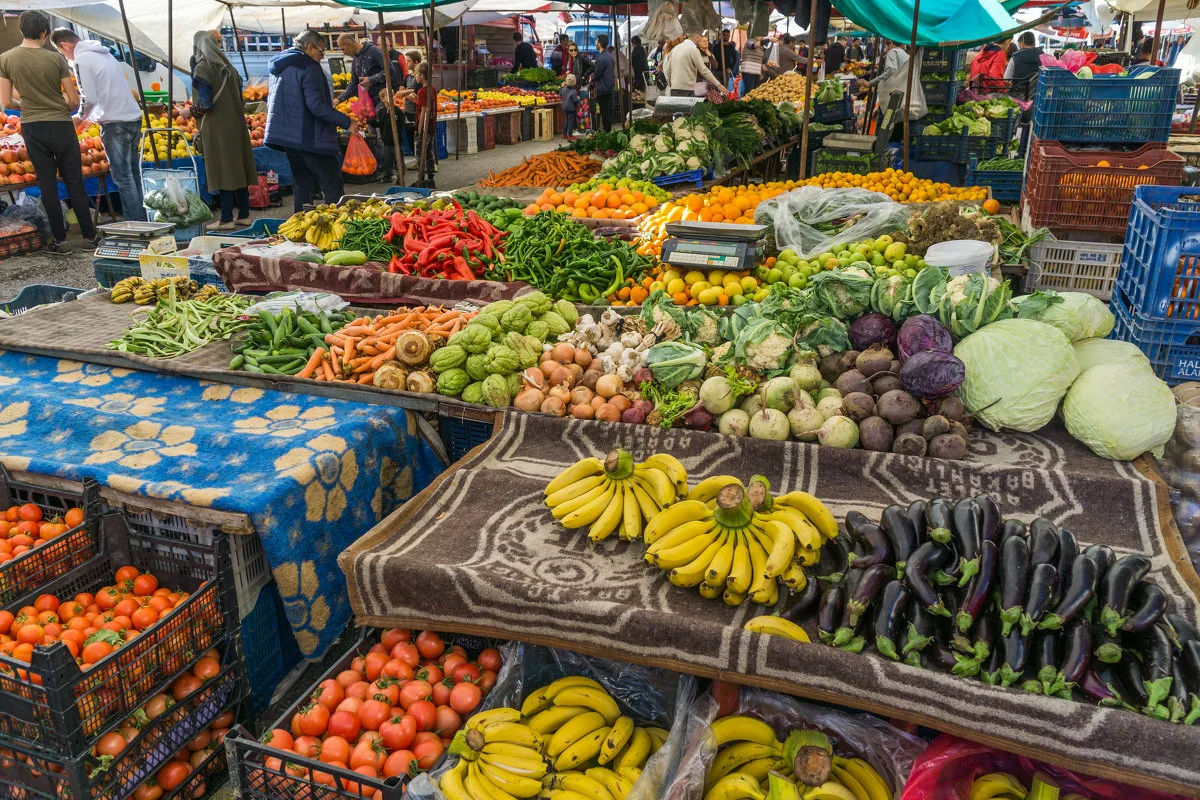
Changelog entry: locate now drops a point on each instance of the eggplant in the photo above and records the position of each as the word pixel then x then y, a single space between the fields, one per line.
pixel 980 588
pixel 1102 554
pixel 967 537
pixel 927 558
pixel 1157 655
pixel 1040 595
pixel 1117 587
pixel 853 577
pixel 990 673
pixel 854 521
pixel 1046 659
pixel 829 613
pixel 1189 661
pixel 879 549
pixel 1182 630
pixel 1011 528
pixel 889 618
pixel 940 520
pixel 901 534
pixel 1149 603
pixel 1016 651
pixel 1106 647
pixel 1129 673
pixel 1068 551
pixel 1043 548
pixel 922 629
pixel 984 636
pixel 1078 651
pixel 991 522
pixel 920 524
pixel 801 604
pixel 1014 579
pixel 1079 591
pixel 1104 692
pixel 834 561
pixel 869 588
pixel 1178 702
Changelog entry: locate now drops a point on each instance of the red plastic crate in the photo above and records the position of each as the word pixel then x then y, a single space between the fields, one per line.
pixel 1073 189
pixel 489 133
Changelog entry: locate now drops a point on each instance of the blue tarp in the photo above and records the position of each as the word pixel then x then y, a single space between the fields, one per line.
pixel 940 20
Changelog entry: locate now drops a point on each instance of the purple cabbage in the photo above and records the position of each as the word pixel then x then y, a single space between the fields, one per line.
pixel 932 374
pixel 921 333
pixel 873 328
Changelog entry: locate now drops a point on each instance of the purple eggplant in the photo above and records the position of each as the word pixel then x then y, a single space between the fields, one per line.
pixel 940 520
pixel 801 604
pixel 1043 542
pixel 991 522
pixel 1181 630
pixel 1094 685
pixel 834 562
pixel 1178 702
pixel 889 618
pixel 1012 528
pixel 1014 579
pixel 1155 647
pixel 869 589
pixel 854 521
pixel 1117 587
pixel 1079 591
pixel 920 523
pixel 900 533
pixel 1149 603
pixel 1039 597
pixel 1016 651
pixel 967 537
pixel 927 558
pixel 980 588
pixel 922 629
pixel 1106 647
pixel 1068 551
pixel 1189 661
pixel 990 672
pixel 1078 651
pixel 1102 554
pixel 1046 659
pixel 829 613
pixel 985 636
pixel 1129 672
pixel 879 549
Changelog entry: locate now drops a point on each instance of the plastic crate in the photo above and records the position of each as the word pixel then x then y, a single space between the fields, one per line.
pixel 1173 346
pixel 940 93
pixel 37 294
pixel 32 775
pixel 834 161
pixel 1071 190
pixel 1160 266
pixel 442 152
pixel 508 127
pixel 20 243
pixel 527 124
pixel 695 177
pixel 52 706
pixel 259 229
pixel 837 111
pixel 1067 266
pixel 960 148
pixel 270 647
pixel 37 567
pixel 462 136
pixel 202 271
pixel 1105 109
pixel 461 435
pixel 949 61
pixel 487 135
pixel 1004 184
pixel 205 780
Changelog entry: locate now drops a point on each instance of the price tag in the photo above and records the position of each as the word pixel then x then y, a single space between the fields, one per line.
pixel 163 266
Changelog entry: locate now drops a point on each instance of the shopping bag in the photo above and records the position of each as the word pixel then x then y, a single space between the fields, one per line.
pixel 359 159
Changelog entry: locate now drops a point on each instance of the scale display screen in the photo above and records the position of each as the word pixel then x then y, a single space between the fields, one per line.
pixel 709 254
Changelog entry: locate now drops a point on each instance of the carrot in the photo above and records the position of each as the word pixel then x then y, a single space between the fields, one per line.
pixel 366 377
pixel 381 359
pixel 357 330
pixel 314 361
pixel 335 360
pixel 349 353
pixel 326 370
pixel 449 315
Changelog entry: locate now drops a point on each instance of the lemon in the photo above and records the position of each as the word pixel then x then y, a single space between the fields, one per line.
pixel 716 277
pixel 670 275
pixel 761 294
pixel 749 284
pixel 733 289
pixel 675 285
pixel 699 286
pixel 708 296
pixel 693 277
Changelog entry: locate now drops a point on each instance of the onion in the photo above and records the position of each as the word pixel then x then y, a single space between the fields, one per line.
pixel 554 405
pixel 597 401
pixel 529 399
pixel 561 376
pixel 583 411
pixel 583 357
pixel 609 386
pixel 589 378
pixel 548 366
pixel 581 395
pixel 633 415
pixel 575 370
pixel 561 392
pixel 621 402
pixel 645 406
pixel 563 353
pixel 534 377
pixel 608 413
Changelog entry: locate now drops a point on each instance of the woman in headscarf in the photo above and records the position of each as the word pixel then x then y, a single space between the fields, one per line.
pixel 224 138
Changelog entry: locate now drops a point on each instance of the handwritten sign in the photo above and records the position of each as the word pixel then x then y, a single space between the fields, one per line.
pixel 156 266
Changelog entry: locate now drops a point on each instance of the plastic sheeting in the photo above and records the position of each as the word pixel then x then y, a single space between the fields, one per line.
pixel 940 20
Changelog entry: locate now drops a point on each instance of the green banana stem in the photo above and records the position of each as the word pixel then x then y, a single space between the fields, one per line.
pixel 1043 788
pixel 733 507
pixel 759 492
pixel 618 464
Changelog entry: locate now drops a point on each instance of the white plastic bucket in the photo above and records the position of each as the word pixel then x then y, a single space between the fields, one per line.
pixel 961 257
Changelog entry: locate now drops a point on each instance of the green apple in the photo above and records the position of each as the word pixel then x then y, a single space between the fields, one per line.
pixel 912 273
pixel 774 275
pixel 797 281
pixel 883 241
pixel 738 299
pixel 789 255
pixel 895 251
pixel 878 260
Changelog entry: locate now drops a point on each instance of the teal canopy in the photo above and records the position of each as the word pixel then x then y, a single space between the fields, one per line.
pixel 393 5
pixel 940 20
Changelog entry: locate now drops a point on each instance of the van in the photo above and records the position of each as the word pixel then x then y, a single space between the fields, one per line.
pixel 584 34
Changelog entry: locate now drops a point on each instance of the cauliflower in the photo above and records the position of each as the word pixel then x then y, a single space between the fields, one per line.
pixel 638 143
pixel 662 144
pixel 770 354
pixel 956 288
pixel 719 355
pixel 694 163
pixel 706 331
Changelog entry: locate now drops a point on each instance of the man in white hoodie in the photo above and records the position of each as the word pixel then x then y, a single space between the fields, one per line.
pixel 107 100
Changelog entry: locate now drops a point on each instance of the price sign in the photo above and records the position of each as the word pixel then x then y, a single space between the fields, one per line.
pixel 156 266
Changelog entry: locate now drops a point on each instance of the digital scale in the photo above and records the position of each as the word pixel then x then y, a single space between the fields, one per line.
pixel 704 245
pixel 125 241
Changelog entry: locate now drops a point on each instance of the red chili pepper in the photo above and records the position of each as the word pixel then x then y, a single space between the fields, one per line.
pixel 463 272
pixel 411 244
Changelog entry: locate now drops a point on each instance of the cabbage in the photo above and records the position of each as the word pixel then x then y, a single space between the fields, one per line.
pixel 1120 411
pixel 1016 372
pixel 1097 352
pixel 672 363
pixel 1079 315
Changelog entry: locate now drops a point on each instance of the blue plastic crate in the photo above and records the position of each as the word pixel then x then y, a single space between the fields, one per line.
pixel 941 93
pixel 461 435
pixel 409 190
pixel 1160 266
pixel 110 271
pixel 961 148
pixel 202 272
pixel 259 229
pixel 837 111
pixel 37 294
pixel 442 151
pixel 269 646
pixel 696 177
pixel 1105 109
pixel 950 61
pixel 1173 346
pixel 1005 184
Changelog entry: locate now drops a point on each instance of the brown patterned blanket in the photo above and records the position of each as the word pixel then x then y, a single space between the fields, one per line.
pixel 477 552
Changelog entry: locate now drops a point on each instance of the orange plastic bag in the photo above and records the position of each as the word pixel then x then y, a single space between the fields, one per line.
pixel 359 159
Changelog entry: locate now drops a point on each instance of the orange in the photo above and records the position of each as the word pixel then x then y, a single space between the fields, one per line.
pixel 556 199
pixel 614 201
pixel 569 198
pixel 579 212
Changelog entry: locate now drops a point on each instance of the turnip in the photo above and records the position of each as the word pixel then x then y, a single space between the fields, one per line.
pixel 876 434
pixel 779 393
pixel 806 376
pixel 838 431
pixel 803 399
pixel 752 404
pixel 734 422
pixel 853 381
pixel 770 424
pixel 805 422
pixel 858 406
pixel 830 407
pixel 828 391
pixel 717 395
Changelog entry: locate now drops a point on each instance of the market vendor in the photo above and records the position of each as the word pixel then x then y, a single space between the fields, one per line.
pixel 523 55
pixel 893 77
pixel 1023 67
pixel 366 67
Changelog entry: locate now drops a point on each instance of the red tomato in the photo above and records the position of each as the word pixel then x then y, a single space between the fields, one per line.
pixel 466 672
pixel 446 721
pixel 490 659
pixel 329 693
pixel 428 752
pixel 430 645
pixel 441 692
pixel 314 719
pixel 359 689
pixel 414 691
pixel 345 724
pixel 387 690
pixel 374 713
pixel 30 513
pixel 401 762
pixel 423 712
pixel 335 748
pixel 148 791
pixel 430 673
pixel 359 664
pixel 726 695
pixel 398 732
pixel 393 636
pixel 172 775
pixel 307 746
pixel 407 652
pixel 351 704
pixel 452 660
pixel 487 680
pixel 368 752
pixel 145 585
pixel 184 686
pixel 348 677
pixel 374 664
pixel 465 698
pixel 398 670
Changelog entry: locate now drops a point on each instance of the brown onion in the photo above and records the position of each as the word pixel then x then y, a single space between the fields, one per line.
pixel 529 399
pixel 620 401
pixel 562 376
pixel 575 370
pixel 563 352
pixel 583 357
pixel 561 392
pixel 608 413
pixel 554 405
pixel 546 356
pixel 583 411
pixel 589 379
pixel 597 401
pixel 533 377
pixel 609 385
pixel 548 366
pixel 581 394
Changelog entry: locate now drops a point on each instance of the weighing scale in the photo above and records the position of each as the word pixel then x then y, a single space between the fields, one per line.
pixel 704 245
pixel 125 241
pixel 666 107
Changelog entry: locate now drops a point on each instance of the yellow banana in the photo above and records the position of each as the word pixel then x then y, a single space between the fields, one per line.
pixel 592 511
pixel 577 471
pixel 661 486
pixel 683 554
pixel 451 783
pixel 648 506
pixel 674 470
pixel 572 490
pixel 870 779
pixel 692 573
pixel 806 534
pixel 534 768
pixel 583 784
pixel 598 700
pixel 760 581
pixel 733 599
pixel 814 509
pixel 510 750
pixel 794 578
pixel 730 759
pixel 708 488
pixel 740 575
pixel 709 592
pixel 740 728
pixel 610 780
pixel 564 794
pixel 618 737
pixel 573 731
pixel 610 519
pixel 631 519
pixel 480 788
pixel 830 790
pixel 841 775
pixel 548 721
pixel 494 716
pixel 718 570
pixel 784 547
pixel 574 504
pixel 677 536
pixel 514 733
pixel 581 751
pixel 670 518
pixel 636 753
pixel 777 626
pixel 997 786
pixel 658 737
pixel 513 784
pixel 735 787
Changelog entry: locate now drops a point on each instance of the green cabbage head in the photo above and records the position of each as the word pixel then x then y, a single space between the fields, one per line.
pixel 1101 352
pixel 1120 411
pixel 1079 316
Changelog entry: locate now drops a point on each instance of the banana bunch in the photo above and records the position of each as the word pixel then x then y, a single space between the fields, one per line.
pixel 124 290
pixel 615 494
pixel 747 751
pixel 1006 786
pixel 500 759
pixel 144 292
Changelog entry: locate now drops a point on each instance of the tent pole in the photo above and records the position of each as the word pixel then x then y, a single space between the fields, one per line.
pixel 431 98
pixel 808 93
pixel 1162 4
pixel 912 63
pixel 283 42
pixel 462 87
pixel 137 76
pixel 627 118
pixel 587 38
pixel 614 44
pixel 170 77
pixel 237 40
pixel 391 104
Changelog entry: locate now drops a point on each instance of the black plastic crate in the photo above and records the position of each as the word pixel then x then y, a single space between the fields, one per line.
pixel 460 435
pixel 30 775
pixel 940 93
pixel 837 111
pixel 211 775
pixel 53 706
pixel 941 60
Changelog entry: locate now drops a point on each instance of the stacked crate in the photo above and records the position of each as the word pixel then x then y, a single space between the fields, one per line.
pixel 1084 193
pixel 939 73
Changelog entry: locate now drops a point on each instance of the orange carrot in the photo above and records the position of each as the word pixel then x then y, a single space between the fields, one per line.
pixel 326 370
pixel 366 377
pixel 313 362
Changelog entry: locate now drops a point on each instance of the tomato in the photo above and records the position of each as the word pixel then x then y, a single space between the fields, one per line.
pixel 423 712
pixel 329 693
pixel 148 791
pixel 490 659
pixel 207 668
pixel 156 706
pixel 414 691
pixel 487 680
pixel 95 651
pixel 427 753
pixel 182 687
pixel 31 633
pixel 430 645
pixel 359 664
pixel 29 513
pixel 144 585
pixel 351 704
pixel 465 698
pixel 314 719
pixel 347 677
pixel 107 598
pixel 726 695
pixel 219 735
pixel 431 673
pixel 110 744
pixel 335 748
pixel 345 724
pixel 446 721
pixel 441 692
pixel 198 758
pixel 6 621
pixel 387 690
pixel 393 636
pixel 373 665
pixel 279 739
pixel 361 690
pixel 398 670
pixel 10 514
pixel 401 762
pixel 398 732
pixel 452 660
pixel 368 752
pixel 373 713
pixel 173 775
pixel 73 517
pixel 407 652
pixel 144 617
pixel 307 746
pixel 467 672
pixel 200 741
pixel 127 573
